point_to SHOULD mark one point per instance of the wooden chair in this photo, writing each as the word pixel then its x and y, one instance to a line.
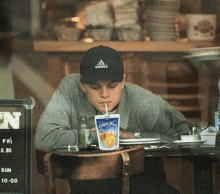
pixel 93 165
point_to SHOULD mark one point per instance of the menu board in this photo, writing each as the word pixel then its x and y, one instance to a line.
pixel 15 146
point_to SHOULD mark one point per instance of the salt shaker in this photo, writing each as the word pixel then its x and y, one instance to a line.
pixel 196 133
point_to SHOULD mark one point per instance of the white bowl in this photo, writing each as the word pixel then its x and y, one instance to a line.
pixel 101 34
pixel 190 137
pixel 64 32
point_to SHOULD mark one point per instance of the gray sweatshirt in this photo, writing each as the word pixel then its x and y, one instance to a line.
pixel 139 109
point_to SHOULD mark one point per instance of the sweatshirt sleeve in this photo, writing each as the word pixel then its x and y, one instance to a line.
pixel 152 116
pixel 54 128
pixel 169 124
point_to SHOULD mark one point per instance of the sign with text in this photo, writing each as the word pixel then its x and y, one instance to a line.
pixel 15 146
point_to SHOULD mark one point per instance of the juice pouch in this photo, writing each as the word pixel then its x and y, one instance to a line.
pixel 108 131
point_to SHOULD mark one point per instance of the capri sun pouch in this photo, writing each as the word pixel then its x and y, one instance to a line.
pixel 108 131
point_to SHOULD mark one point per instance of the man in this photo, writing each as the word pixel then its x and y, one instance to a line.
pixel 102 80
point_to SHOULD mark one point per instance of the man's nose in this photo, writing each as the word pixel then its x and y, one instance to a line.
pixel 104 92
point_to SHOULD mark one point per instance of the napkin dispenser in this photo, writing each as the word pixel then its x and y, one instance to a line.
pixel 209 135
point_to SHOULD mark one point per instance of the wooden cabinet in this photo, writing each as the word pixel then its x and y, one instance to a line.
pixel 167 73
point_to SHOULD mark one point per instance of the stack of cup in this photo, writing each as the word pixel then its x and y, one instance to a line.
pixel 99 20
pixel 161 19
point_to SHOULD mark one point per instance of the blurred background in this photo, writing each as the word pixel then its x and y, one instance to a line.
pixel 36 54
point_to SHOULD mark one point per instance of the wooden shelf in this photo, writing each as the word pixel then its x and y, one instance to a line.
pixel 18 45
pixel 181 97
pixel 22 45
pixel 121 46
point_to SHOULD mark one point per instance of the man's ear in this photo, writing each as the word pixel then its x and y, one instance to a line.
pixel 82 86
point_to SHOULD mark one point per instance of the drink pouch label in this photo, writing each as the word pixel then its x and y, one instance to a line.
pixel 108 131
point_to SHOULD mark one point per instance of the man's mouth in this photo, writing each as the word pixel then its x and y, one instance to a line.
pixel 105 102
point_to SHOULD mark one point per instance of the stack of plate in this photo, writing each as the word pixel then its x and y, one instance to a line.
pixel 161 19
pixel 204 54
pixel 141 141
pixel 189 144
pixel 127 19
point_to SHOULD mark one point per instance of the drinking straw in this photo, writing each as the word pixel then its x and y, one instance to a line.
pixel 106 109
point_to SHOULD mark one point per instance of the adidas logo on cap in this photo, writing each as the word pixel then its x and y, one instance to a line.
pixel 101 64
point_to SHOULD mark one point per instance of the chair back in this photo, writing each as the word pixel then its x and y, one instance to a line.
pixel 93 165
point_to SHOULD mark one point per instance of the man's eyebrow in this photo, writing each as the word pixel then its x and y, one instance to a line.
pixel 93 84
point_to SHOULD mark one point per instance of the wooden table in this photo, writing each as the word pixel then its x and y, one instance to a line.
pixel 202 160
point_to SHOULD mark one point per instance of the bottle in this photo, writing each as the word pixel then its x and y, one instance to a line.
pixel 84 139
pixel 217 139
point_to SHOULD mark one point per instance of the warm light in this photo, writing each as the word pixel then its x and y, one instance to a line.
pixel 79 24
pixel 88 40
pixel 75 19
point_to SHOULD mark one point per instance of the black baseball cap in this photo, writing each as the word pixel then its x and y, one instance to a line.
pixel 101 63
